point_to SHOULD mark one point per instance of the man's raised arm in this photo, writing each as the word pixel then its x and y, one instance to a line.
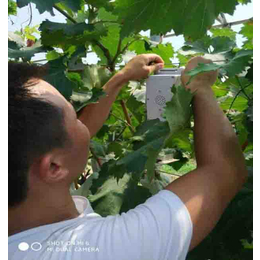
pixel 221 169
pixel 94 115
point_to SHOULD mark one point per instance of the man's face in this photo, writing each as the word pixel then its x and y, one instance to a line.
pixel 75 156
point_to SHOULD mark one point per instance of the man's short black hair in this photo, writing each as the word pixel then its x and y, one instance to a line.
pixel 35 127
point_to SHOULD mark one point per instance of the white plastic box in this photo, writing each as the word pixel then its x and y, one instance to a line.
pixel 158 91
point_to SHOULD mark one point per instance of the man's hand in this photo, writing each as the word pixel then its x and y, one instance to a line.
pixel 201 81
pixel 141 66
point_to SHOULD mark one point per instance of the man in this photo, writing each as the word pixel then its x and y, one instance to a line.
pixel 48 147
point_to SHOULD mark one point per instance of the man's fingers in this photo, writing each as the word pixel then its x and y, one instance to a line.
pixel 155 67
pixel 154 58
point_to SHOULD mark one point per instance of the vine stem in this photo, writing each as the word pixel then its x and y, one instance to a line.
pixel 127 117
pixel 96 158
pixel 130 126
pixel 64 13
pixel 120 134
pixel 237 78
pixel 231 105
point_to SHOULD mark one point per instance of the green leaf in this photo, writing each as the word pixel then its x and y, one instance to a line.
pixel 244 2
pixel 246 244
pixel 12 8
pixel 136 108
pixel 82 99
pixel 97 148
pixel 52 55
pixel 106 4
pixel 238 64
pixel 201 46
pixel 204 45
pixel 25 53
pixel 111 197
pixel 235 66
pixel 138 47
pixel 111 40
pixel 195 18
pixel 151 136
pixel 224 32
pixel 47 5
pixel 202 67
pixel 247 32
pixel 222 44
pixel 182 140
pixel 57 78
pixel 157 184
pixel 164 50
pixel 116 148
pixel 62 34
pixel 178 110
pixel 13 45
pixel 84 190
pixel 240 104
pixel 152 133
pixel 95 76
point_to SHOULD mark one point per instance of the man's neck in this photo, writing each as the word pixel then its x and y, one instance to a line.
pixel 32 213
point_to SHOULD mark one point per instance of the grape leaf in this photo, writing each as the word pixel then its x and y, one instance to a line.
pixel 235 66
pixel 183 17
pixel 57 78
pixel 111 40
pixel 201 46
pixel 224 32
pixel 52 55
pixel 62 34
pixel 136 108
pixel 166 51
pixel 178 110
pixel 247 32
pixel 106 4
pixel 240 104
pixel 25 53
pixel 244 2
pixel 95 76
pixel 202 67
pixel 138 47
pixel 151 136
pixel 157 184
pixel 90 97
pixel 84 190
pixel 12 7
pixel 47 5
pixel 111 197
pixel 204 45
pixel 238 64
pixel 222 44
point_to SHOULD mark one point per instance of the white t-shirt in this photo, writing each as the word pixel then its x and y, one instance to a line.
pixel 159 229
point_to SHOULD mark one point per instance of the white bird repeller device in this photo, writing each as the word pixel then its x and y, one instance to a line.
pixel 158 91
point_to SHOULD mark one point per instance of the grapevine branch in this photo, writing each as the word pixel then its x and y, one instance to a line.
pixel 64 13
pixel 118 52
pixel 237 78
pixel 236 96
pixel 125 122
pixel 127 117
pixel 95 157
pixel 105 51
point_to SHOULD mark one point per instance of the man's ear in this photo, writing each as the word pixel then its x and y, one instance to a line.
pixel 50 169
